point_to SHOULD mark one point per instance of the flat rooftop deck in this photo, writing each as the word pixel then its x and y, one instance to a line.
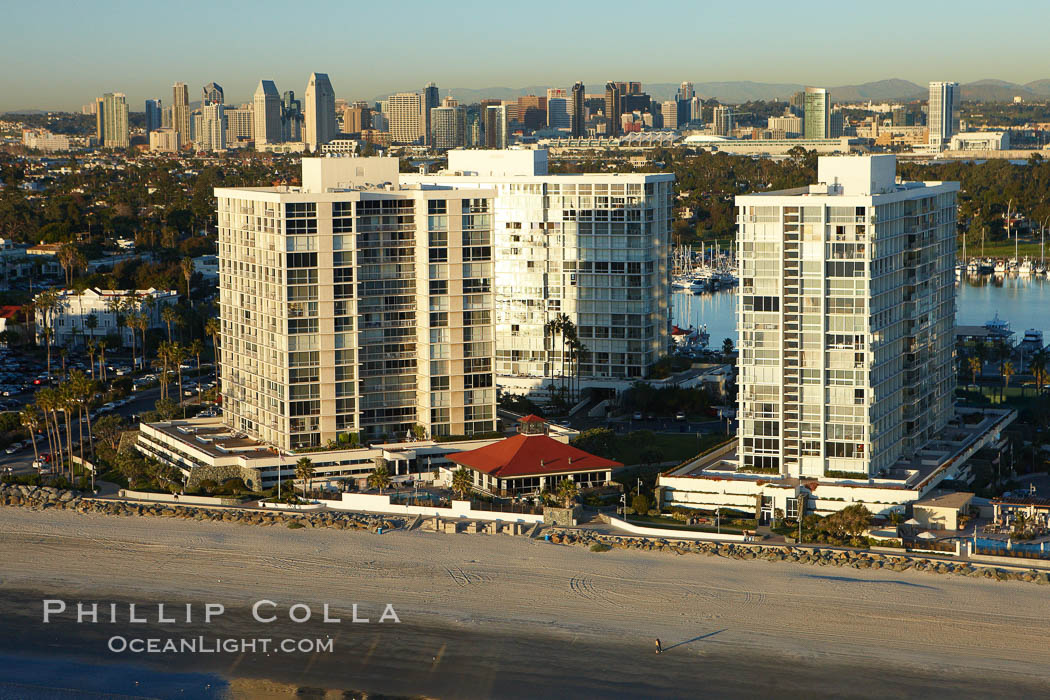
pixel 958 437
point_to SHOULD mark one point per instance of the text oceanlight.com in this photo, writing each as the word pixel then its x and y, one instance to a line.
pixel 214 645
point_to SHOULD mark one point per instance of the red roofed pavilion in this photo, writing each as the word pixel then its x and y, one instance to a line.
pixel 532 461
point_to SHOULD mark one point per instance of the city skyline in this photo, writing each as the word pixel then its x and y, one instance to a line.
pixel 74 69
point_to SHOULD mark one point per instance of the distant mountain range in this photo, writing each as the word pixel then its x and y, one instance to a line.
pixel 734 92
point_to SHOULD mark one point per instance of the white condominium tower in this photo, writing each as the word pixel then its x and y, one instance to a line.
pixel 593 247
pixel 319 111
pixel 943 117
pixel 351 304
pixel 212 136
pixel 846 320
pixel 111 120
pixel 405 111
pixel 267 108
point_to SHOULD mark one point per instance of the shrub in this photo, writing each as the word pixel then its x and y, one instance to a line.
pixel 295 525
pixel 641 503
pixel 600 547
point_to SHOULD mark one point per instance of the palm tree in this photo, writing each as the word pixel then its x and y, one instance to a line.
pixel 304 471
pixel 169 315
pixel 178 354
pixel 47 303
pixel 83 391
pixel 462 483
pixel 101 344
pixel 120 307
pixel 550 329
pixel 45 401
pixel 568 333
pixel 567 492
pixel 1037 364
pixel 213 328
pixel 68 403
pixel 30 419
pixel 92 350
pixel 380 476
pixel 91 323
pixel 727 347
pixel 163 360
pixel 140 321
pixel 975 367
pixel 187 271
pixel 1008 371
pixel 195 349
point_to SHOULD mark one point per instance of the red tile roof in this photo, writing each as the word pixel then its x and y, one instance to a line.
pixel 521 455
pixel 10 311
pixel 531 418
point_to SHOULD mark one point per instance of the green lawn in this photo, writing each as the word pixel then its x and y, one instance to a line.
pixel 677 447
pixel 1004 249
pixel 672 524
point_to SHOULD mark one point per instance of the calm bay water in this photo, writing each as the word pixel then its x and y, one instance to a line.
pixel 1023 301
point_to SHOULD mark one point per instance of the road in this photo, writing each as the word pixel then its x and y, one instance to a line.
pixel 21 462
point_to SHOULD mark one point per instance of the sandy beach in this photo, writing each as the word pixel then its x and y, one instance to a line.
pixel 498 616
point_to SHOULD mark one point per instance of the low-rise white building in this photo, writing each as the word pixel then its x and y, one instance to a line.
pixel 94 314
pixel 981 141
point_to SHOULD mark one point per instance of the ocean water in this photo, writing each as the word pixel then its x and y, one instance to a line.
pixel 26 677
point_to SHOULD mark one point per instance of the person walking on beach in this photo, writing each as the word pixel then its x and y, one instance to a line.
pixel 659 648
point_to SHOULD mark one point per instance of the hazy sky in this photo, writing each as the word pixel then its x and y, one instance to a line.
pixel 59 55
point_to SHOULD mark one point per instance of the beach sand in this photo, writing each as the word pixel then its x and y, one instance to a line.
pixel 499 616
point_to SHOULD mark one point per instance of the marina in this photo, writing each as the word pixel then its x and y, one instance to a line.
pixel 1022 301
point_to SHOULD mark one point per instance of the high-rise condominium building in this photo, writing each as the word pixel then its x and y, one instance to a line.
pixel 319 111
pixel 495 126
pixel 164 140
pixel 594 247
pixel 846 320
pixel 943 117
pixel 111 120
pixel 405 111
pixel 558 109
pixel 357 118
pixel 291 117
pixel 816 114
pixel 578 111
pixel 180 112
pixel 350 304
pixel 722 120
pixel 532 111
pixel 449 126
pixel 431 99
pixel 686 90
pixel 267 108
pixel 788 124
pixel 240 125
pixel 212 94
pixel 212 134
pixel 669 113
pixel 614 107
pixel 696 109
pixel 154 120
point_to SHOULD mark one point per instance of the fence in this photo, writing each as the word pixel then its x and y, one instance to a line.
pixel 1010 548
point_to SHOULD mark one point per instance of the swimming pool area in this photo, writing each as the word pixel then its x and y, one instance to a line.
pixel 1009 548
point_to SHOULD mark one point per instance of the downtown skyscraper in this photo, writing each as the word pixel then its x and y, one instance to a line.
pixel 267 108
pixel 180 112
pixel 943 117
pixel 154 118
pixel 111 120
pixel 578 111
pixel 431 99
pixel 319 111
pixel 816 115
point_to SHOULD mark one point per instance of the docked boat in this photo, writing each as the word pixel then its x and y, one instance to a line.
pixel 1032 341
pixel 999 327
pixel 1000 267
pixel 1025 268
